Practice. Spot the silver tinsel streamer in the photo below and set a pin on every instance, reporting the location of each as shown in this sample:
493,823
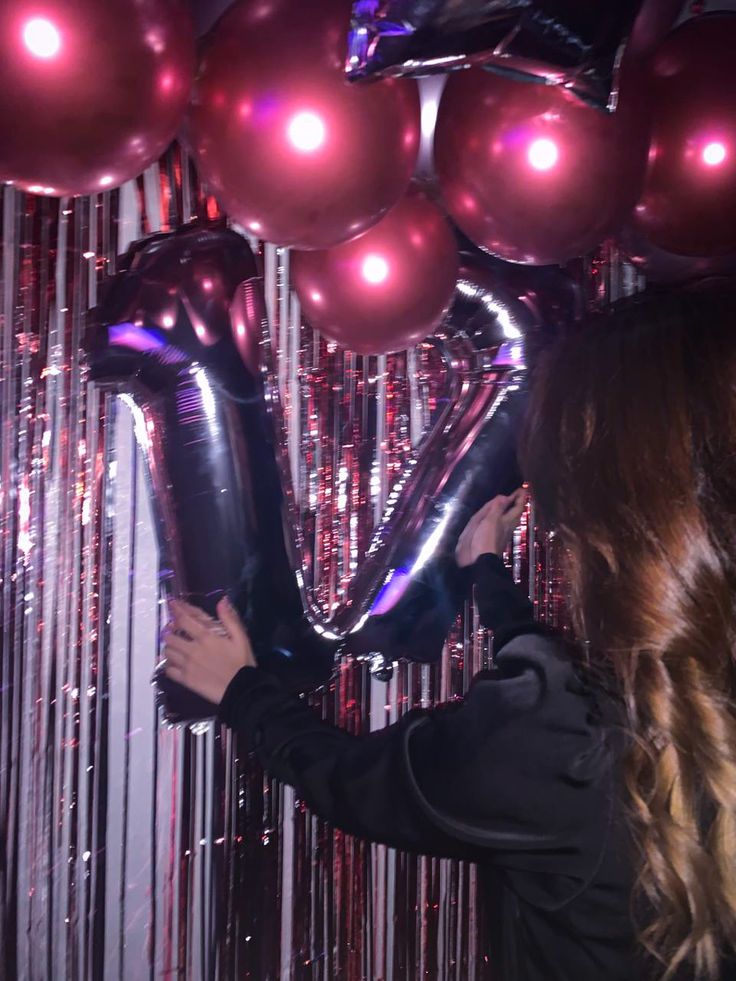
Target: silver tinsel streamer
129,849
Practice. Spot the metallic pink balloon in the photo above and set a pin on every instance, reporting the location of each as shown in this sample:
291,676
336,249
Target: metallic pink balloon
297,154
386,289
530,173
91,92
689,202
666,268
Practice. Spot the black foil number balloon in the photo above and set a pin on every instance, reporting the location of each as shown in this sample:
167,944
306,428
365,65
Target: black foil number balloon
180,332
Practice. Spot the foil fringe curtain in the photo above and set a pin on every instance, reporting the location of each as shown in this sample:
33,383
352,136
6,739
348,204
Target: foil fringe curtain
128,849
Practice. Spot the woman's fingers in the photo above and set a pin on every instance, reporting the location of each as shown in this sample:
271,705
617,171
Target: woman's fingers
174,642
204,618
174,672
174,657
185,619
230,618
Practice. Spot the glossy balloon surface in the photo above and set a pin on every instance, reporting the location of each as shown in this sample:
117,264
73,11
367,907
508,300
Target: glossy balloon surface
387,289
298,155
531,174
573,43
667,268
91,92
688,205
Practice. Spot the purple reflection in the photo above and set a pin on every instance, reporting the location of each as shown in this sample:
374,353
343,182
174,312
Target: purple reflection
392,592
510,355
147,340
136,338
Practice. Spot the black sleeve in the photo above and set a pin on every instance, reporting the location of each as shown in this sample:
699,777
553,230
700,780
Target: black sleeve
360,784
503,605
513,774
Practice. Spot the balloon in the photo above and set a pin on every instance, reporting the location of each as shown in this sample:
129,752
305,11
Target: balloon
192,374
688,205
209,425
655,19
574,44
90,93
531,174
666,268
387,289
407,590
296,155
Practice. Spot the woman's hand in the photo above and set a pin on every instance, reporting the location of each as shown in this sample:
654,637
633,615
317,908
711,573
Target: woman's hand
204,654
491,528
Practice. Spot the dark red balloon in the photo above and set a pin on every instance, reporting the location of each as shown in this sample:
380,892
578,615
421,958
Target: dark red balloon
387,289
689,202
91,91
666,268
297,154
529,172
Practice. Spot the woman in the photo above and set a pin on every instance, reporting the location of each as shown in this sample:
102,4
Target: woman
595,785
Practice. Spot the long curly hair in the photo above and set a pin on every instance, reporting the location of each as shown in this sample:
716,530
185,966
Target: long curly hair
630,450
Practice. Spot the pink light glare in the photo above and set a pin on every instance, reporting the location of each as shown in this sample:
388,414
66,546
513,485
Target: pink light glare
714,153
41,38
306,131
543,154
374,269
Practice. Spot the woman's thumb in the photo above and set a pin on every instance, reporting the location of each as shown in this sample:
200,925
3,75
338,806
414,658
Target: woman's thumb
229,617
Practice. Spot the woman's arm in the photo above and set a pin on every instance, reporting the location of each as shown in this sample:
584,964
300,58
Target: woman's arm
482,760
364,785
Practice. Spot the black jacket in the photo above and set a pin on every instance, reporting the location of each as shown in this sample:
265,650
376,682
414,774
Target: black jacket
520,777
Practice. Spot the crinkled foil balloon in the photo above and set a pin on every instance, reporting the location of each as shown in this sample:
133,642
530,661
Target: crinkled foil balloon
572,43
181,332
132,849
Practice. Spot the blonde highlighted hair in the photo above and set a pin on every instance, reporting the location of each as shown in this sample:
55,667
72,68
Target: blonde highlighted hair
630,449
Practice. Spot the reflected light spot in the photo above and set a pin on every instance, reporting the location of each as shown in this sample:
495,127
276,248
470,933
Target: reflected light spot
200,331
316,296
41,38
714,153
155,42
306,131
255,226
168,320
105,181
543,154
374,269
429,116
207,285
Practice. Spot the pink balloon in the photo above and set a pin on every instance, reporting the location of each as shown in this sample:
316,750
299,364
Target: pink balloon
91,91
387,289
666,268
297,154
688,206
532,174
